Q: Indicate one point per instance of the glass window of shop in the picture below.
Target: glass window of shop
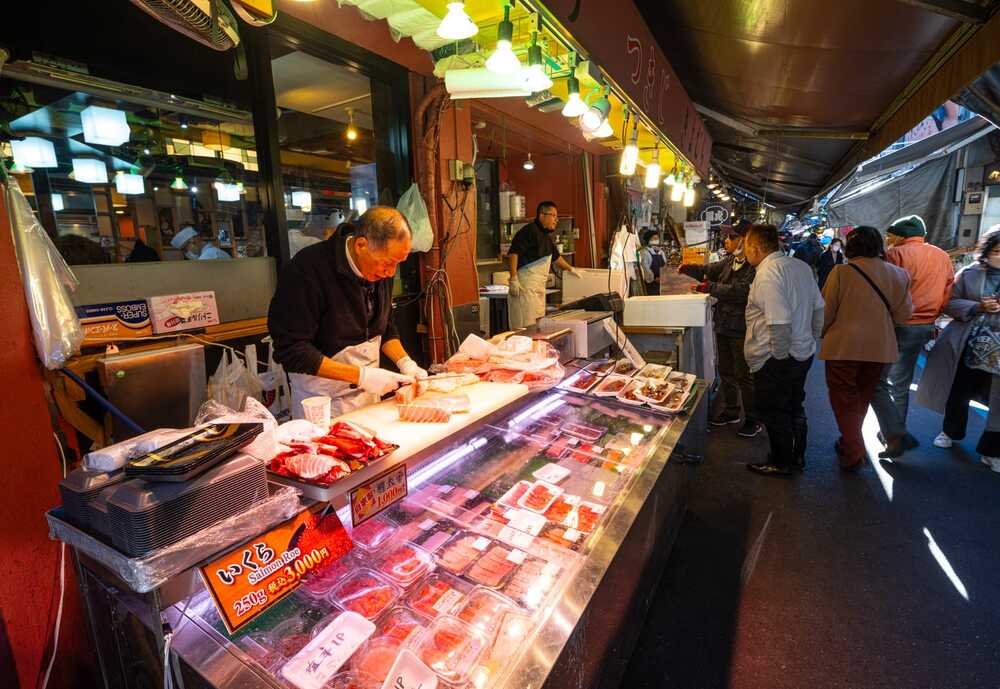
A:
(115, 181)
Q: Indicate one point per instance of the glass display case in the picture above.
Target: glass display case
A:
(482, 572)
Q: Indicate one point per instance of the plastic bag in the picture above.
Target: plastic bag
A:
(113, 457)
(232, 383)
(265, 445)
(48, 282)
(411, 205)
(273, 382)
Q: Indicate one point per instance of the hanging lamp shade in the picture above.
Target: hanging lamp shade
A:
(90, 171)
(503, 60)
(457, 24)
(104, 126)
(574, 104)
(128, 183)
(34, 152)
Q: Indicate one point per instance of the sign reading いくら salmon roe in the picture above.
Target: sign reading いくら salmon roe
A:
(252, 577)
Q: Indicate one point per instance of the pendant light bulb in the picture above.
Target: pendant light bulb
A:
(574, 104)
(677, 192)
(529, 164)
(503, 60)
(457, 24)
(653, 172)
(671, 179)
(630, 154)
(604, 131)
(595, 116)
(689, 197)
(352, 131)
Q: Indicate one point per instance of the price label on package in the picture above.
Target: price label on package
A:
(252, 577)
(378, 494)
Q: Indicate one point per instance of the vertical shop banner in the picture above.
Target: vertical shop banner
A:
(616, 36)
(252, 577)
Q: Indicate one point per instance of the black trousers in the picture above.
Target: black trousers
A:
(780, 391)
(969, 384)
(734, 375)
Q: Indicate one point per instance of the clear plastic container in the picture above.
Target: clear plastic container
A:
(344, 680)
(405, 563)
(374, 533)
(461, 551)
(401, 624)
(509, 639)
(372, 662)
(539, 497)
(495, 565)
(437, 595)
(365, 592)
(319, 582)
(291, 636)
(530, 585)
(451, 649)
(483, 610)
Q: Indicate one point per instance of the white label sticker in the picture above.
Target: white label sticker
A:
(518, 538)
(597, 449)
(481, 543)
(517, 556)
(572, 535)
(444, 490)
(599, 488)
(427, 524)
(573, 442)
(447, 601)
(510, 514)
(320, 659)
(408, 672)
(471, 493)
(572, 499)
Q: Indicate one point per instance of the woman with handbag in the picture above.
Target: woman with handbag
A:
(965, 362)
(865, 299)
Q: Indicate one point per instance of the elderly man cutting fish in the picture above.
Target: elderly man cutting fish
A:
(332, 314)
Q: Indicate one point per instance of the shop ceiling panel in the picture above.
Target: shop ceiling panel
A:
(313, 86)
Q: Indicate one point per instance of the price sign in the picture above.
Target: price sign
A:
(252, 577)
(378, 494)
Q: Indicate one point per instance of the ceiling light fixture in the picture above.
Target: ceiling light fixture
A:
(90, 171)
(677, 191)
(596, 114)
(689, 197)
(671, 179)
(604, 131)
(352, 131)
(34, 152)
(574, 104)
(129, 183)
(457, 24)
(58, 205)
(178, 184)
(529, 164)
(503, 60)
(184, 121)
(104, 126)
(536, 77)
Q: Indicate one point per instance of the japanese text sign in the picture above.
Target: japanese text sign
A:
(252, 577)
(377, 494)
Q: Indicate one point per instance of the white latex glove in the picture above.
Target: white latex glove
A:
(409, 367)
(515, 287)
(380, 382)
(573, 271)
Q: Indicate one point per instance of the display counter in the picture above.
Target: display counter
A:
(523, 555)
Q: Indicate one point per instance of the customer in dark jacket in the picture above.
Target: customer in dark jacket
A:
(833, 256)
(729, 281)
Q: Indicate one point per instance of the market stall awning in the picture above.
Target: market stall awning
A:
(795, 93)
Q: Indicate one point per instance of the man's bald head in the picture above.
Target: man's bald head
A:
(381, 225)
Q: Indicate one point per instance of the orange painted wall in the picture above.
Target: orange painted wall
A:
(29, 567)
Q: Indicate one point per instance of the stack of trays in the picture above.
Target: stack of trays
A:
(97, 512)
(80, 488)
(194, 453)
(146, 515)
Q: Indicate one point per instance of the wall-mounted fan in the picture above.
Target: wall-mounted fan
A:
(210, 22)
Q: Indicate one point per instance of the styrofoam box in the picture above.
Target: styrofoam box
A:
(687, 310)
(592, 281)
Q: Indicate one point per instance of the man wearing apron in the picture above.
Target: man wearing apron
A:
(332, 313)
(531, 255)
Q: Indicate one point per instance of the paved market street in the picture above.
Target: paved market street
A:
(889, 578)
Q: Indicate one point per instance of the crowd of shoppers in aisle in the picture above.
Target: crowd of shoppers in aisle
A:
(867, 306)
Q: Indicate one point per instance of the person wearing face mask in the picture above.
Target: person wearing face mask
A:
(965, 362)
(651, 259)
(833, 256)
(331, 315)
(729, 282)
(195, 247)
(532, 253)
(931, 276)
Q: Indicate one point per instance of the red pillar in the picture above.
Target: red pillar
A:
(29, 565)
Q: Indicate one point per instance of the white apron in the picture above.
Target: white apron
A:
(342, 398)
(529, 306)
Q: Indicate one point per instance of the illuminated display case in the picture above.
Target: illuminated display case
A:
(526, 549)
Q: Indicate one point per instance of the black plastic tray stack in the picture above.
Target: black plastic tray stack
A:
(197, 451)
(79, 489)
(146, 515)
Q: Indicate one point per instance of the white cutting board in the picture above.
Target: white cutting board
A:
(412, 437)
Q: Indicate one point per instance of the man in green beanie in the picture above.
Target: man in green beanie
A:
(931, 274)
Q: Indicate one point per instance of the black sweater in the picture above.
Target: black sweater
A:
(320, 307)
(731, 288)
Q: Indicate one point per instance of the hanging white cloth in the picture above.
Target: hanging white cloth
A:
(528, 306)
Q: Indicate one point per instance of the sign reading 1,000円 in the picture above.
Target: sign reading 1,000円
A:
(252, 577)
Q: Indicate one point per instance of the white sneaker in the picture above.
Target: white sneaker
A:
(942, 440)
(992, 462)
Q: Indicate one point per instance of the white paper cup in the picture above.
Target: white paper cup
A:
(317, 411)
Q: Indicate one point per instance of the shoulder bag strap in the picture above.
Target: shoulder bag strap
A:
(874, 287)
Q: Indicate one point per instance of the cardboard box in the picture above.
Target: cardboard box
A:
(593, 281)
(687, 310)
(119, 320)
(176, 312)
